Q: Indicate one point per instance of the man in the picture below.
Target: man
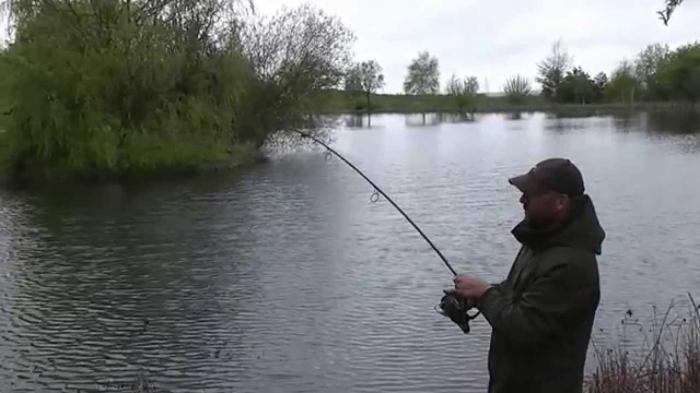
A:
(542, 314)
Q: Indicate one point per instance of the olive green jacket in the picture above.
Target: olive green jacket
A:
(542, 314)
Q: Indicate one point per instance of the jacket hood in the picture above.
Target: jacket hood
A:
(581, 230)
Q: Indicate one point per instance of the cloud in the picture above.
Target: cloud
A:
(494, 40)
(497, 39)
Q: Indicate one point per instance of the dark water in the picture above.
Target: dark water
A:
(283, 278)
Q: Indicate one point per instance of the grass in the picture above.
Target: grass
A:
(671, 365)
(341, 102)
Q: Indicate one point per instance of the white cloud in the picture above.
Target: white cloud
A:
(497, 39)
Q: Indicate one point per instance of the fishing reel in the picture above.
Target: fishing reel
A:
(457, 310)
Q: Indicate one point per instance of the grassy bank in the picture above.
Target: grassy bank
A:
(342, 102)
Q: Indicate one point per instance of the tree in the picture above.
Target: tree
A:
(623, 85)
(423, 75)
(601, 83)
(365, 77)
(551, 71)
(106, 87)
(294, 55)
(678, 75)
(577, 86)
(665, 14)
(463, 91)
(646, 66)
(517, 89)
(111, 86)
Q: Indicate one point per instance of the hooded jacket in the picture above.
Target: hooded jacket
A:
(542, 314)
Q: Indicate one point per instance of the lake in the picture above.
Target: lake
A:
(283, 277)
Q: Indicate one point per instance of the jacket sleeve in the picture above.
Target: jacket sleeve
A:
(562, 294)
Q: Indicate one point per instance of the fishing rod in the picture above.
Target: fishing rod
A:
(450, 306)
(375, 196)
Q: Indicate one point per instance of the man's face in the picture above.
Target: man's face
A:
(543, 208)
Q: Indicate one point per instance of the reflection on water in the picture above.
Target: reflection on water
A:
(357, 121)
(434, 119)
(676, 122)
(281, 277)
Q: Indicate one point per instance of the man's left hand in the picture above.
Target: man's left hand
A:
(470, 288)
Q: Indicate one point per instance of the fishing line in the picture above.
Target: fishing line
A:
(376, 193)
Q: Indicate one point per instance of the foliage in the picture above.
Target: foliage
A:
(577, 86)
(600, 85)
(463, 91)
(365, 77)
(293, 54)
(111, 87)
(423, 75)
(623, 86)
(551, 71)
(517, 89)
(678, 75)
(646, 67)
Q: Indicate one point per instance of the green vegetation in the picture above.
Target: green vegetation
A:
(364, 78)
(423, 75)
(517, 90)
(463, 92)
(657, 75)
(342, 102)
(109, 88)
(101, 89)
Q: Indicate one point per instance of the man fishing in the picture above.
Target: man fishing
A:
(543, 313)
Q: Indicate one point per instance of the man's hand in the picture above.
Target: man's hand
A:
(470, 288)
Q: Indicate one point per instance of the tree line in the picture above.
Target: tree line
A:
(656, 74)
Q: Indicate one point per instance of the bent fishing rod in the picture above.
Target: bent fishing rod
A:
(450, 306)
(378, 190)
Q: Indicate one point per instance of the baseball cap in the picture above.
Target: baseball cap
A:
(554, 174)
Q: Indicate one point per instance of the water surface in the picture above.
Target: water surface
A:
(284, 278)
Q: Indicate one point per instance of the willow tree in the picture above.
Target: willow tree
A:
(113, 86)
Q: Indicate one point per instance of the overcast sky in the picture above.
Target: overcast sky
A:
(497, 39)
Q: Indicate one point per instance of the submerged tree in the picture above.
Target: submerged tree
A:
(366, 78)
(517, 89)
(423, 75)
(463, 91)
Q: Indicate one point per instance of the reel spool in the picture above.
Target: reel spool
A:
(457, 310)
